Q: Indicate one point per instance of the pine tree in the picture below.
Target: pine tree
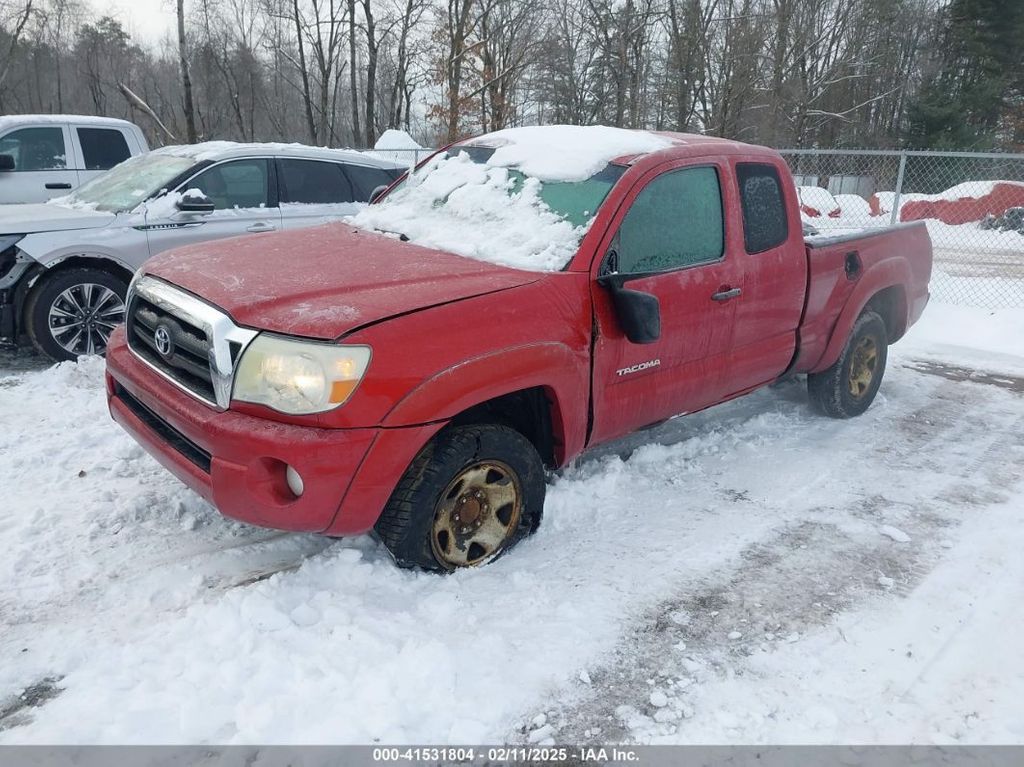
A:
(974, 99)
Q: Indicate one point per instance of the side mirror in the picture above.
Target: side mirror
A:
(638, 313)
(6, 162)
(195, 203)
(377, 193)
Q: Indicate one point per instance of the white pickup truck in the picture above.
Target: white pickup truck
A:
(46, 156)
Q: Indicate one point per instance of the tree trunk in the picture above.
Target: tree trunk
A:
(304, 73)
(372, 45)
(186, 81)
(353, 74)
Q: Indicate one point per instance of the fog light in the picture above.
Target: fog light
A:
(294, 481)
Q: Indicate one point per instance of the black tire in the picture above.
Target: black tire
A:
(832, 391)
(436, 481)
(60, 292)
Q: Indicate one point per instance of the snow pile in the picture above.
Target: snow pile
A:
(464, 207)
(815, 201)
(398, 146)
(853, 207)
(566, 152)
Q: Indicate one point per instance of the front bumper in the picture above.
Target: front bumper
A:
(237, 462)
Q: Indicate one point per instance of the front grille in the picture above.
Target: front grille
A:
(168, 433)
(188, 362)
(188, 341)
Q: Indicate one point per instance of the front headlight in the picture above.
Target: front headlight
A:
(299, 377)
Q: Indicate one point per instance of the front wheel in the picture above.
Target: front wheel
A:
(471, 494)
(848, 387)
(73, 312)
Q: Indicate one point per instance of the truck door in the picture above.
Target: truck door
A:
(669, 239)
(773, 281)
(41, 163)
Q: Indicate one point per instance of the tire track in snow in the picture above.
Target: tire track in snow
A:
(783, 588)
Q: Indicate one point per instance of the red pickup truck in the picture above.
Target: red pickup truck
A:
(518, 299)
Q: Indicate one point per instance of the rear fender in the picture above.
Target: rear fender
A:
(893, 272)
(563, 374)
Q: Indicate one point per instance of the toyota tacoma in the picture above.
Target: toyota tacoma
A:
(517, 299)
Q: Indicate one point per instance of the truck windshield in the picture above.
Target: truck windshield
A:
(459, 203)
(128, 184)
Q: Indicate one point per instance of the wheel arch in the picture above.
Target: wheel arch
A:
(533, 395)
(885, 293)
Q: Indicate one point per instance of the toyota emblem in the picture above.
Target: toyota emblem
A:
(162, 339)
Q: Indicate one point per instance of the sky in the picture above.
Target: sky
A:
(146, 20)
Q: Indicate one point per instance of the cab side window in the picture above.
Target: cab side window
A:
(235, 184)
(764, 209)
(36, 148)
(676, 221)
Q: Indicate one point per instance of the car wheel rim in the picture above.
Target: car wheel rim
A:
(82, 318)
(863, 364)
(477, 515)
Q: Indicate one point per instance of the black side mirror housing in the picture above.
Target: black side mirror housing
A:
(638, 313)
(377, 193)
(195, 204)
(6, 162)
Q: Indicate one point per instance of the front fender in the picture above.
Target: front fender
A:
(126, 247)
(563, 373)
(893, 272)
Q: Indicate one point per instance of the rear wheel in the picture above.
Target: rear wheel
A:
(848, 388)
(471, 494)
(73, 312)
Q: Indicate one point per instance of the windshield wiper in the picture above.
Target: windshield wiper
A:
(401, 235)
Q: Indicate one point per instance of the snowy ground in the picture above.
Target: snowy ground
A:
(754, 573)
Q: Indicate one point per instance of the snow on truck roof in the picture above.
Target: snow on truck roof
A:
(574, 152)
(11, 121)
(222, 150)
(565, 152)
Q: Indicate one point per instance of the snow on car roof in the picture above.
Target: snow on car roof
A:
(222, 150)
(567, 152)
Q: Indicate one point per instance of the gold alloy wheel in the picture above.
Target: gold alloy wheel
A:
(477, 515)
(863, 364)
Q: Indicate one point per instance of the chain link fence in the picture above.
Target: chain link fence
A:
(972, 203)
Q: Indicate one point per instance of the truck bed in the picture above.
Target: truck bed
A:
(845, 270)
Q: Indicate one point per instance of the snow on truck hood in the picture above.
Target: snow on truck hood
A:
(28, 218)
(325, 281)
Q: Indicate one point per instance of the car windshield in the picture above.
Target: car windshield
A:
(130, 183)
(459, 203)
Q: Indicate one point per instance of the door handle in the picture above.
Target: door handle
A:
(55, 185)
(261, 227)
(726, 295)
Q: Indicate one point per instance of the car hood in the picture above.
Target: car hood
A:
(325, 281)
(29, 218)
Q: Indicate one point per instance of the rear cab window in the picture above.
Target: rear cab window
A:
(765, 223)
(102, 148)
